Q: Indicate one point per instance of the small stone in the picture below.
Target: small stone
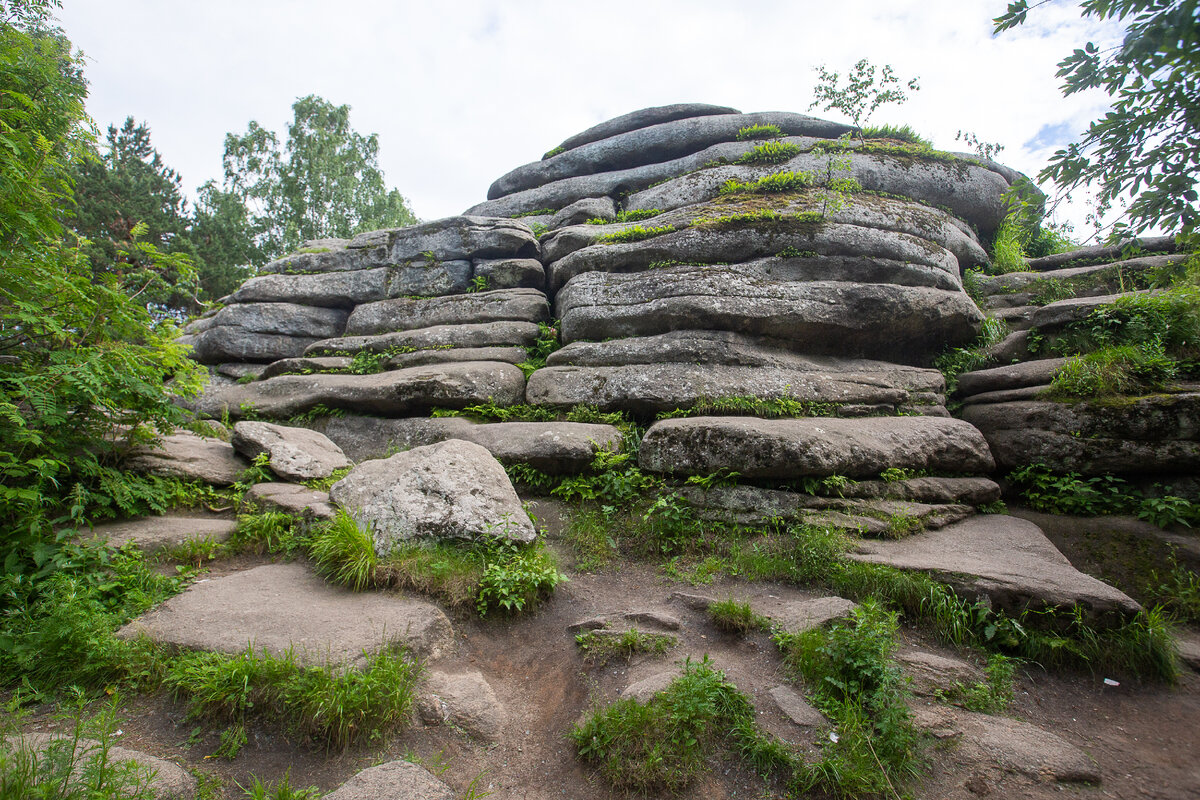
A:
(395, 780)
(296, 454)
(645, 689)
(589, 624)
(932, 672)
(188, 457)
(799, 616)
(796, 708)
(465, 700)
(696, 602)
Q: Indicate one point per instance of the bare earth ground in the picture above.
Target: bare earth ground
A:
(1145, 739)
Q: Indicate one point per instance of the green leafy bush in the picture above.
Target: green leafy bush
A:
(789, 181)
(516, 577)
(769, 153)
(634, 234)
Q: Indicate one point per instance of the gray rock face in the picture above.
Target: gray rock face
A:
(152, 534)
(453, 238)
(394, 780)
(644, 690)
(421, 277)
(1097, 279)
(227, 343)
(581, 211)
(296, 454)
(1006, 560)
(803, 615)
(281, 606)
(794, 448)
(1009, 376)
(643, 118)
(170, 782)
(495, 334)
(647, 388)
(333, 256)
(1151, 244)
(465, 700)
(265, 331)
(290, 366)
(450, 490)
(290, 498)
(900, 323)
(656, 143)
(1055, 316)
(448, 355)
(331, 289)
(524, 305)
(386, 394)
(556, 448)
(932, 673)
(1147, 435)
(509, 273)
(188, 457)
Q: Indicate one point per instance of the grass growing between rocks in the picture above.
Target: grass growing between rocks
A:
(733, 617)
(600, 647)
(636, 233)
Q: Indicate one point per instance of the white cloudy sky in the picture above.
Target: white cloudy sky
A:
(461, 91)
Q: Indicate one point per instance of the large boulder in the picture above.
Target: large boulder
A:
(265, 331)
(296, 454)
(188, 457)
(450, 490)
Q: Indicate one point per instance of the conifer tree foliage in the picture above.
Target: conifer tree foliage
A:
(1147, 147)
(324, 182)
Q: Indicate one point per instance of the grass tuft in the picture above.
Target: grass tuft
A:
(733, 617)
(602, 646)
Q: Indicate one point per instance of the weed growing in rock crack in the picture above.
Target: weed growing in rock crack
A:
(344, 552)
(337, 706)
(546, 343)
(663, 744)
(630, 215)
(765, 407)
(770, 153)
(323, 484)
(789, 181)
(903, 133)
(318, 411)
(1120, 370)
(733, 617)
(956, 361)
(600, 647)
(537, 212)
(635, 234)
(267, 532)
(759, 132)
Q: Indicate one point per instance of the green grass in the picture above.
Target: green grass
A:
(1115, 371)
(991, 695)
(789, 181)
(765, 407)
(759, 132)
(770, 153)
(902, 132)
(344, 552)
(634, 234)
(733, 617)
(279, 790)
(600, 647)
(632, 215)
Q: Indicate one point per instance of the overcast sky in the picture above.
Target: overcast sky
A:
(461, 92)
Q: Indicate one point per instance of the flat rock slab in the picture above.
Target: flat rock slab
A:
(1008, 743)
(796, 448)
(188, 457)
(465, 700)
(170, 782)
(281, 606)
(395, 780)
(931, 672)
(1009, 376)
(645, 689)
(1006, 559)
(404, 313)
(152, 534)
(290, 498)
(449, 490)
(296, 454)
(556, 448)
(803, 615)
(796, 708)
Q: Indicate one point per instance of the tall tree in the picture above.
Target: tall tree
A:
(1147, 148)
(325, 182)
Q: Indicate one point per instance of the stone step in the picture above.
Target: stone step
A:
(154, 534)
(817, 447)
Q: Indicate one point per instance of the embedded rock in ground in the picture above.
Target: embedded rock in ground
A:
(450, 490)
(556, 448)
(170, 781)
(152, 534)
(495, 334)
(296, 454)
(1007, 561)
(908, 324)
(796, 708)
(393, 780)
(465, 700)
(453, 238)
(386, 394)
(1008, 743)
(796, 448)
(1009, 376)
(650, 388)
(188, 457)
(801, 615)
(933, 673)
(281, 607)
(1189, 650)
(644, 690)
(265, 332)
(1144, 435)
(290, 498)
(502, 305)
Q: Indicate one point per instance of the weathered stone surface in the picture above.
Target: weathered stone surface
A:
(290, 498)
(1055, 316)
(696, 602)
(510, 273)
(465, 700)
(288, 366)
(932, 673)
(152, 534)
(394, 780)
(803, 615)
(649, 388)
(188, 457)
(793, 448)
(643, 118)
(555, 448)
(449, 355)
(1189, 650)
(453, 238)
(331, 289)
(581, 211)
(969, 189)
(1147, 435)
(281, 606)
(645, 689)
(333, 256)
(655, 619)
(401, 314)
(1008, 743)
(494, 334)
(1005, 559)
(1094, 279)
(449, 490)
(238, 371)
(170, 782)
(1009, 376)
(753, 505)
(969, 491)
(1149, 244)
(264, 331)
(796, 708)
(228, 343)
(296, 454)
(656, 143)
(421, 277)
(387, 394)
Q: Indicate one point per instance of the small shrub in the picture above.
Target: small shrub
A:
(266, 532)
(992, 695)
(789, 181)
(518, 578)
(634, 234)
(759, 132)
(344, 552)
(733, 617)
(600, 647)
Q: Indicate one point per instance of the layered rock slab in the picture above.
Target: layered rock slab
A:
(153, 534)
(281, 607)
(449, 490)
(385, 316)
(1007, 560)
(796, 448)
(296, 454)
(188, 457)
(264, 331)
